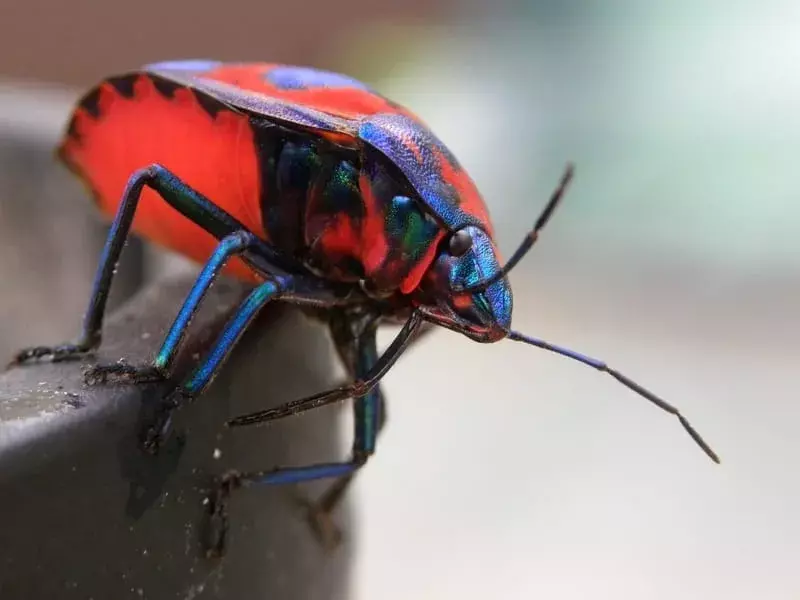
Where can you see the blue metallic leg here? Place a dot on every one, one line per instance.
(204, 373)
(360, 356)
(230, 246)
(370, 418)
(190, 203)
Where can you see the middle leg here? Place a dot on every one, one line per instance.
(287, 288)
(204, 373)
(230, 246)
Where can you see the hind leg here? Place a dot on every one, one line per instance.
(179, 195)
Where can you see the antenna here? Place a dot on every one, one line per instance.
(629, 383)
(532, 235)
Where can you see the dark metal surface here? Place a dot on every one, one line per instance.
(83, 514)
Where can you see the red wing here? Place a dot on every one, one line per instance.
(129, 122)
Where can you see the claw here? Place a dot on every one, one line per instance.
(161, 426)
(122, 373)
(218, 523)
(60, 353)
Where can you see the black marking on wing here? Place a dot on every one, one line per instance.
(124, 84)
(91, 103)
(211, 106)
(165, 87)
(72, 129)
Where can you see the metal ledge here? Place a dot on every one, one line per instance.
(84, 514)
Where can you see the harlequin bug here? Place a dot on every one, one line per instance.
(319, 191)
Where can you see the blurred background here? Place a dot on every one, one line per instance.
(506, 471)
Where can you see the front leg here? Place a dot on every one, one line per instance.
(369, 368)
(356, 342)
(368, 422)
(360, 387)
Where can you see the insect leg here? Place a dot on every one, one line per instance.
(230, 246)
(179, 195)
(360, 354)
(358, 388)
(368, 422)
(362, 360)
(204, 373)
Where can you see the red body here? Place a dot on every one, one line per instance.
(129, 122)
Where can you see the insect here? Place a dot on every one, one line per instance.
(321, 193)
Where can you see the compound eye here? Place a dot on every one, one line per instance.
(460, 242)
